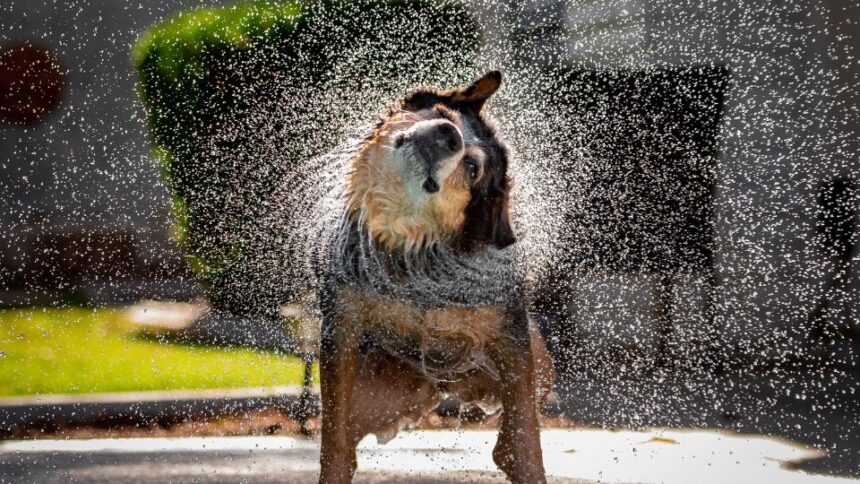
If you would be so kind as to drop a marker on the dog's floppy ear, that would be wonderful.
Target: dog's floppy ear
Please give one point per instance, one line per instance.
(488, 222)
(479, 91)
(503, 233)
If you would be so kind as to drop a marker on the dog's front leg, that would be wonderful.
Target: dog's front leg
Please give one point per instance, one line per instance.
(338, 358)
(518, 450)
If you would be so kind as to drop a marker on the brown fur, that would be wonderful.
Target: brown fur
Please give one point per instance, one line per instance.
(477, 325)
(372, 391)
(395, 222)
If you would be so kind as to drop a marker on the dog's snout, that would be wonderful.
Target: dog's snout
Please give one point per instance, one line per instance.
(435, 140)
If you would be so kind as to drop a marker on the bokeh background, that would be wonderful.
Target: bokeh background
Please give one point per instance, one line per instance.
(688, 177)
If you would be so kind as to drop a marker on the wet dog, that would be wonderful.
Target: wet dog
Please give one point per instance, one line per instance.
(423, 295)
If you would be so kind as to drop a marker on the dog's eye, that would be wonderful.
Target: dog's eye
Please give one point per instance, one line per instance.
(472, 169)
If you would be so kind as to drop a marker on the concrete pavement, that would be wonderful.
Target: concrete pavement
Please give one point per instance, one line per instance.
(581, 455)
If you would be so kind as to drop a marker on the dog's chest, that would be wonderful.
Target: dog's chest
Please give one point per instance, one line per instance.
(443, 338)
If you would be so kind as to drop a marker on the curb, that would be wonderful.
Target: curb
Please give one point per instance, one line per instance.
(146, 407)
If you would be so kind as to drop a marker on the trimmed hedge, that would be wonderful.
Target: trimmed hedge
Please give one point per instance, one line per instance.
(206, 71)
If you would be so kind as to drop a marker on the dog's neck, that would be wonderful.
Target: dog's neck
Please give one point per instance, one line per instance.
(431, 276)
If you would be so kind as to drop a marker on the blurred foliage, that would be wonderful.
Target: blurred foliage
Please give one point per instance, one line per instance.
(78, 350)
(201, 72)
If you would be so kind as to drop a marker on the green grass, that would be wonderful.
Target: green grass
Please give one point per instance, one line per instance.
(79, 350)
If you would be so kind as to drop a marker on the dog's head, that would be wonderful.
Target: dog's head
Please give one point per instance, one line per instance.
(435, 170)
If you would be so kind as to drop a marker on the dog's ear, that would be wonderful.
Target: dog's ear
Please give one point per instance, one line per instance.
(479, 91)
(503, 233)
(488, 222)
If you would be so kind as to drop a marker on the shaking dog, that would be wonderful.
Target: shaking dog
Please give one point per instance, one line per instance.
(423, 294)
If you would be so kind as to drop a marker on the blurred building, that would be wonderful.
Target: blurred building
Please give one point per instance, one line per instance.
(83, 214)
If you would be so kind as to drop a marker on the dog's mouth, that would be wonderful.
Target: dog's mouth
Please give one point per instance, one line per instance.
(401, 139)
(430, 185)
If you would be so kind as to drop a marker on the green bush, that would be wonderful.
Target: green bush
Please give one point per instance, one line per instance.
(205, 74)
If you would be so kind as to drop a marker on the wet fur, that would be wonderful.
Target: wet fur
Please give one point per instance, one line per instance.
(378, 200)
(387, 359)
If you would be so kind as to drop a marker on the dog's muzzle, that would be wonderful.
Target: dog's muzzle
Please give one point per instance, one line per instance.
(433, 142)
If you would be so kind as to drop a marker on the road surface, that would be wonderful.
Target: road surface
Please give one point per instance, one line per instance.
(578, 455)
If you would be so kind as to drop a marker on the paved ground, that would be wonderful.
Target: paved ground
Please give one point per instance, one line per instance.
(420, 456)
(819, 409)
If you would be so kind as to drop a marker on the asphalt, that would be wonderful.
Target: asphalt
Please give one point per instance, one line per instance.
(574, 456)
(143, 407)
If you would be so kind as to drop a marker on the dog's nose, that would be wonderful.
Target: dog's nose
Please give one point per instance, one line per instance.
(436, 140)
(449, 137)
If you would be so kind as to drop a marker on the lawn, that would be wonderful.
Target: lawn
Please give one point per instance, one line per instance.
(80, 350)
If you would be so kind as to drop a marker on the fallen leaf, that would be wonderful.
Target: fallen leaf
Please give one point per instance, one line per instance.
(660, 440)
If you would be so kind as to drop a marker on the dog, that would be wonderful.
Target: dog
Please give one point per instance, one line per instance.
(423, 296)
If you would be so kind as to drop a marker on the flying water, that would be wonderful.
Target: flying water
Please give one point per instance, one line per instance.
(677, 176)
(685, 176)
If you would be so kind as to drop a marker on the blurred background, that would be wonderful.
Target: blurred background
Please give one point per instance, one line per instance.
(688, 172)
